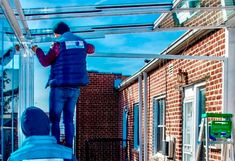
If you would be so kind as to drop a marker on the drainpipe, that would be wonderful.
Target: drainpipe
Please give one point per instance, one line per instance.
(229, 84)
(145, 117)
(140, 115)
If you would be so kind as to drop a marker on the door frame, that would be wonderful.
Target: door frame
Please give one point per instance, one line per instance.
(193, 96)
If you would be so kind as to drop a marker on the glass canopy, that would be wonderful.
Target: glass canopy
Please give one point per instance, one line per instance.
(123, 26)
(96, 19)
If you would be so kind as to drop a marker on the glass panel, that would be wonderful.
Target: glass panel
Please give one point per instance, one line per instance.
(188, 157)
(188, 131)
(62, 3)
(202, 103)
(87, 23)
(158, 129)
(9, 85)
(188, 123)
(160, 136)
(188, 15)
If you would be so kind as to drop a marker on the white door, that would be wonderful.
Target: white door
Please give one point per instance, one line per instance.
(193, 107)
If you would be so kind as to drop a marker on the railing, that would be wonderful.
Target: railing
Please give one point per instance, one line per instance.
(108, 149)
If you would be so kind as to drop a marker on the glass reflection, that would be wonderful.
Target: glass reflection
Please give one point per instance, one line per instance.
(9, 87)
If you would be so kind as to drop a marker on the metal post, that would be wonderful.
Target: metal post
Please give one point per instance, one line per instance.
(228, 78)
(207, 139)
(2, 102)
(145, 117)
(26, 87)
(12, 106)
(140, 115)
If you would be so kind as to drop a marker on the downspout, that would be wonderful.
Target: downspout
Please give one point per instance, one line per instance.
(228, 83)
(145, 116)
(140, 114)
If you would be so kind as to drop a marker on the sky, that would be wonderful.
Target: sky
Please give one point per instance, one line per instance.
(143, 43)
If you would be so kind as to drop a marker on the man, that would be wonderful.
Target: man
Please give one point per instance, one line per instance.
(39, 144)
(67, 58)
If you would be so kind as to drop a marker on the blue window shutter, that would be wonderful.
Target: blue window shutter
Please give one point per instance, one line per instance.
(155, 126)
(124, 126)
(136, 127)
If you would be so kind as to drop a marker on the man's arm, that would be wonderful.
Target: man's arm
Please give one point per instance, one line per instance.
(47, 59)
(90, 48)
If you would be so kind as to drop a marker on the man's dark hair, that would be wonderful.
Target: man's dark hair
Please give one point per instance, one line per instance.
(61, 28)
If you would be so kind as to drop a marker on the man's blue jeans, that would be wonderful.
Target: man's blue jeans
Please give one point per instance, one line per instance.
(63, 99)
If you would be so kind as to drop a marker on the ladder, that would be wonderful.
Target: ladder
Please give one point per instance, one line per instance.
(217, 129)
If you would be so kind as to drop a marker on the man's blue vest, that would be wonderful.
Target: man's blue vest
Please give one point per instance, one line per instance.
(69, 68)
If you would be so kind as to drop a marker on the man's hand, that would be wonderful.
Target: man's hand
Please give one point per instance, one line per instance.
(34, 48)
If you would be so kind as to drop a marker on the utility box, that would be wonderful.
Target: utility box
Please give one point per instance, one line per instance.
(168, 149)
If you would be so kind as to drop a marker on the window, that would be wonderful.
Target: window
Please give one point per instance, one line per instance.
(136, 126)
(125, 125)
(158, 124)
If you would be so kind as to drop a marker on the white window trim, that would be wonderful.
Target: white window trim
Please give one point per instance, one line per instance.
(194, 99)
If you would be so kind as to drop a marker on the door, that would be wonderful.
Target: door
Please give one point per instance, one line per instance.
(193, 108)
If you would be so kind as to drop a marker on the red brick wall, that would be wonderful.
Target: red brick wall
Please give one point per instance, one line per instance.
(159, 82)
(97, 110)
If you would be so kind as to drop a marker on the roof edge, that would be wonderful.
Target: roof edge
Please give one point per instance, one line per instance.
(173, 49)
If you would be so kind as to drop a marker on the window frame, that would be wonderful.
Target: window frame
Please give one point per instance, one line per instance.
(155, 146)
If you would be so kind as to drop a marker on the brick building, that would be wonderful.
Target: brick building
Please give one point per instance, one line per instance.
(97, 110)
(178, 90)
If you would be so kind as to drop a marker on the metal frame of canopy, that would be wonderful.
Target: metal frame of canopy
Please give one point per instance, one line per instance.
(25, 35)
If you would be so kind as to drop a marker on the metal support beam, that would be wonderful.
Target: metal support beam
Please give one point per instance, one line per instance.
(134, 55)
(140, 90)
(8, 12)
(112, 10)
(105, 29)
(22, 17)
(96, 11)
(95, 32)
(145, 116)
